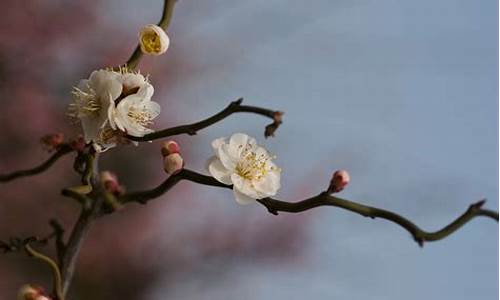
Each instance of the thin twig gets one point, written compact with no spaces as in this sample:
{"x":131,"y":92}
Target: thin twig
{"x":56,"y":273}
{"x":233,"y":107}
{"x":168,"y":9}
{"x":323,"y":199}
{"x":61,"y":151}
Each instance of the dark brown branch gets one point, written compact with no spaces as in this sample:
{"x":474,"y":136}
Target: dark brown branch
{"x":233,"y":107}
{"x":168,"y":9}
{"x":77,"y":236}
{"x":63,"y":150}
{"x":324,"y":199}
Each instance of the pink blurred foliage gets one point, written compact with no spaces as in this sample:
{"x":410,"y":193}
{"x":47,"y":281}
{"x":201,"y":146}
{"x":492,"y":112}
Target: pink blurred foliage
{"x":45,"y":48}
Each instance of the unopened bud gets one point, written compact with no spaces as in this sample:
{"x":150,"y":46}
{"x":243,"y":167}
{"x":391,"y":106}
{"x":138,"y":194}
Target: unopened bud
{"x":110,"y":183}
{"x":339,"y":180}
{"x":78,"y":144}
{"x":31,"y":292}
{"x":278,"y":116}
{"x":173,"y":163}
{"x":51,"y":142}
{"x":170,"y":147}
{"x":153,"y":40}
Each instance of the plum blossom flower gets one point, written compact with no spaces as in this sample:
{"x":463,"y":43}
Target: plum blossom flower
{"x":135,"y":111}
{"x":153,"y":40}
{"x":94,"y":98}
{"x":111,"y":105}
{"x":247,"y":166}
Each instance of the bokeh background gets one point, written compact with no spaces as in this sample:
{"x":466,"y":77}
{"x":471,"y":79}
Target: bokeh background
{"x":403,"y":94}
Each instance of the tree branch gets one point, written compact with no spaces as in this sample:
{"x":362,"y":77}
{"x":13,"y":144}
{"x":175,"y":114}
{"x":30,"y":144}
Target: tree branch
{"x":61,"y":151}
{"x":323,"y":199}
{"x":233,"y":107}
{"x":168,"y":9}
{"x":87,"y":215}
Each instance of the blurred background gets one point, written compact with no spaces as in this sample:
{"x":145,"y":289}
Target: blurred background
{"x":403,"y":94}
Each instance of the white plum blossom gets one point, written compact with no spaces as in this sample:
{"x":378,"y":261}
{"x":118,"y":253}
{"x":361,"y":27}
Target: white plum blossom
{"x":153,"y":40}
{"x":136,"y":110}
{"x":94,"y":98}
{"x":111,"y":105}
{"x":247,"y":166}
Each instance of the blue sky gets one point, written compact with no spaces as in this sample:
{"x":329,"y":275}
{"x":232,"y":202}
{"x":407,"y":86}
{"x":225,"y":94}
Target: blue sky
{"x":403,"y":94}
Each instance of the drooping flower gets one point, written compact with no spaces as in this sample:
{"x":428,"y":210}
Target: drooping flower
{"x":94,"y":98}
{"x":153,"y":40}
{"x":247,"y":166}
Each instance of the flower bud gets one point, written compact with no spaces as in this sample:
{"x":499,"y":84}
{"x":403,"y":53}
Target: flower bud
{"x":173,"y":163}
{"x":153,"y":40}
{"x":51,"y":142}
{"x":339,"y":180}
{"x":31,"y":292}
{"x":170,"y":147}
{"x":78,"y":144}
{"x":110,"y":183}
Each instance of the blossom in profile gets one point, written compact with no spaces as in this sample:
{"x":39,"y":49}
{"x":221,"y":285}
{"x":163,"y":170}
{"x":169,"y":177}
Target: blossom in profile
{"x":94,"y":99}
{"x":153,"y":40}
{"x":247,"y":166}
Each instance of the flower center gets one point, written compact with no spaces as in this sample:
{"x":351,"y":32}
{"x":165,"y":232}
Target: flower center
{"x":140,"y":116}
{"x":252,"y":166}
{"x":151,"y":42}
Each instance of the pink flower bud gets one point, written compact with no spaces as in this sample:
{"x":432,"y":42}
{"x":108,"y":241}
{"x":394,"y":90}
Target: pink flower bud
{"x":173,"y":163}
{"x":78,"y":144}
{"x":170,"y":147}
{"x":110,"y":182}
{"x":31,"y":292}
{"x":51,"y":142}
{"x":339,"y":180}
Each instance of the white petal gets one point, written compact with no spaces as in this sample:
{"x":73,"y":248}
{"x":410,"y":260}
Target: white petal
{"x":133,"y":80}
{"x":217,"y":143}
{"x":269,"y":185}
{"x":242,"y":198}
{"x":237,"y":142}
{"x":90,"y":129}
{"x":245,"y":186}
{"x":261,"y":151}
{"x":104,"y":83}
{"x":153,"y":108}
{"x":226,"y":158}
{"x":145,"y":92}
{"x":218,"y":171}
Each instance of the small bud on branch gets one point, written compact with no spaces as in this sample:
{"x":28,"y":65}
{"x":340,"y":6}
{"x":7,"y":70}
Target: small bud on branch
{"x":173,"y":163}
{"x":340,"y":179}
{"x":52,"y":142}
{"x":170,"y":147}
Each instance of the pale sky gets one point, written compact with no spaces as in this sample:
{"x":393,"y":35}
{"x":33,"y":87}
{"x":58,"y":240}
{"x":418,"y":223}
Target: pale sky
{"x":403,"y":94}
